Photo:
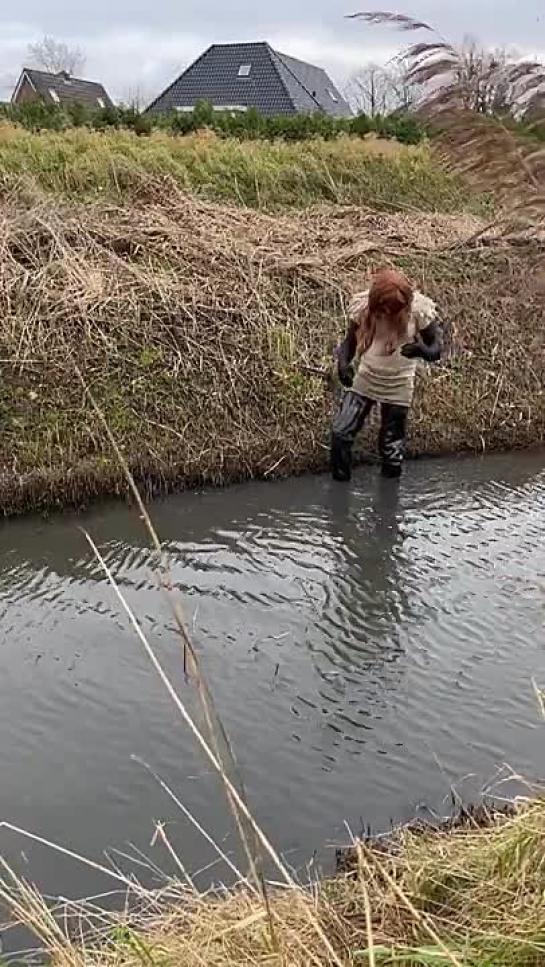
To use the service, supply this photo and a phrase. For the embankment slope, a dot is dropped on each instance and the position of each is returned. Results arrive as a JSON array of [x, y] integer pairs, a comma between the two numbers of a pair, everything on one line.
[[191, 322]]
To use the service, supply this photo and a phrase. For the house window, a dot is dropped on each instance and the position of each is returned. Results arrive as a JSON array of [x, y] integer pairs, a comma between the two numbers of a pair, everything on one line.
[[244, 70], [230, 108], [54, 96], [100, 102], [332, 95]]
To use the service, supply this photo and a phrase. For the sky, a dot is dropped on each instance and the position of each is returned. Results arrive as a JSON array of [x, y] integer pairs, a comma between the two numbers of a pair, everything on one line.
[[137, 47]]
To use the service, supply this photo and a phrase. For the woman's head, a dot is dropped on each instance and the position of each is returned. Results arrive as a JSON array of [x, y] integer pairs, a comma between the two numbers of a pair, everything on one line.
[[390, 299]]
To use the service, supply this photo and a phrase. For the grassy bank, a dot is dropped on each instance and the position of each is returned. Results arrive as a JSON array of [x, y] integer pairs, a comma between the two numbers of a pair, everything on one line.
[[469, 896], [192, 323], [351, 171]]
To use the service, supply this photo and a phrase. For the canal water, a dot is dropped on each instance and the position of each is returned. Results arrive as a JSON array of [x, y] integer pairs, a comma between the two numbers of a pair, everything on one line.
[[370, 649]]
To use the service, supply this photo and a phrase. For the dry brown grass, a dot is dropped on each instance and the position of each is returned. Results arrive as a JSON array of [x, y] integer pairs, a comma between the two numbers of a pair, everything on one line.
[[468, 896], [192, 323], [383, 148]]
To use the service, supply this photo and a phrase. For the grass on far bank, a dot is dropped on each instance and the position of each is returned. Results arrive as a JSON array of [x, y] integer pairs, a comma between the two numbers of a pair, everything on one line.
[[269, 176]]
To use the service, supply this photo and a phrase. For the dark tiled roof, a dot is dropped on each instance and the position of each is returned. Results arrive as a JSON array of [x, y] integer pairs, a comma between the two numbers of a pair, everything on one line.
[[276, 84], [309, 85], [69, 90]]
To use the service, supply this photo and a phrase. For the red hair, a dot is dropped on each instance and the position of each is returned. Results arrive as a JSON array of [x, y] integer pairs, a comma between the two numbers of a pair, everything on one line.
[[390, 298]]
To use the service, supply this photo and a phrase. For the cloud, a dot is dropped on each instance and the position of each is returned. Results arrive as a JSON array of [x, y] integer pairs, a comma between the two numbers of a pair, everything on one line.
[[13, 41], [138, 46], [340, 58], [130, 61]]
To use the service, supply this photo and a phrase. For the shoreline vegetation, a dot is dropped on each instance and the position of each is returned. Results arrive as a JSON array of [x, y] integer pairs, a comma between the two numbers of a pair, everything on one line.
[[467, 892], [248, 125], [273, 176], [193, 286]]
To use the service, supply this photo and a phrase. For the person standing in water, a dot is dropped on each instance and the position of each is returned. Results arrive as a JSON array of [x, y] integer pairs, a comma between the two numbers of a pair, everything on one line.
[[391, 326]]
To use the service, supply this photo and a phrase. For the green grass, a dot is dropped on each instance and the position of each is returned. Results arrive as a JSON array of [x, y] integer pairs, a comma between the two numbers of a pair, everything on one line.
[[349, 171]]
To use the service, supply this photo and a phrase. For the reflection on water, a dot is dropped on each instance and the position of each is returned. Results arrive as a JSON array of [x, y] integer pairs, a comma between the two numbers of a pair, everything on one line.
[[367, 647]]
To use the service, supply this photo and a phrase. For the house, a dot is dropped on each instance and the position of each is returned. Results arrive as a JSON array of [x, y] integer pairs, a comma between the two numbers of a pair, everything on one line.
[[60, 89], [237, 77]]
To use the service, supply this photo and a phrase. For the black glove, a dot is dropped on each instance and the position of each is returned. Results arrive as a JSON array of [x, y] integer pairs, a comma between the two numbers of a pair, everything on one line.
[[427, 345], [415, 350], [346, 374], [419, 350], [345, 369]]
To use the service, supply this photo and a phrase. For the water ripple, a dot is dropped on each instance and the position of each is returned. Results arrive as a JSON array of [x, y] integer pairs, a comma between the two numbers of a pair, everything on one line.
[[367, 647]]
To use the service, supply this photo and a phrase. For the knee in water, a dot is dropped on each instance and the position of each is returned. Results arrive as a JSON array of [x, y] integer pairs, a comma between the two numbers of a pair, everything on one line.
[[341, 458], [341, 474], [391, 470]]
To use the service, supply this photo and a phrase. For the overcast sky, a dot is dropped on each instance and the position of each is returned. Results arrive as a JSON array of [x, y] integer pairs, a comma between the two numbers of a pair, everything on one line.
[[141, 45]]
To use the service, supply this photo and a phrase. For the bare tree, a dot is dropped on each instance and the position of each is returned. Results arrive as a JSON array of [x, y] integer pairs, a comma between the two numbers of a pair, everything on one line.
[[54, 56], [472, 97], [368, 91], [379, 90], [467, 76], [404, 92], [486, 84]]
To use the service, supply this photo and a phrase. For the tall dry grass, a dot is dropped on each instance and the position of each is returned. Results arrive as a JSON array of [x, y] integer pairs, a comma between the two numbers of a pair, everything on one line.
[[468, 895], [198, 327], [484, 145]]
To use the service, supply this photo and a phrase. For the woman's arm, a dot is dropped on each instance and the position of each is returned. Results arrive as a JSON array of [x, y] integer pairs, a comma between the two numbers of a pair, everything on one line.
[[428, 344], [345, 354]]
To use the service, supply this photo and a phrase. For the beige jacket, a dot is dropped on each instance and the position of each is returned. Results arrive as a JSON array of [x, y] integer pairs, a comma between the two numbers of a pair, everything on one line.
[[390, 378]]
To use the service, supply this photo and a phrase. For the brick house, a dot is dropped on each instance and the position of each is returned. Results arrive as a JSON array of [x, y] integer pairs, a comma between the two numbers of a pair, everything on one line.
[[60, 89]]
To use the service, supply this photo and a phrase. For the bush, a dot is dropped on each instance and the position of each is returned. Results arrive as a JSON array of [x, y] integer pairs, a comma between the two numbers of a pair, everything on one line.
[[37, 116], [249, 125]]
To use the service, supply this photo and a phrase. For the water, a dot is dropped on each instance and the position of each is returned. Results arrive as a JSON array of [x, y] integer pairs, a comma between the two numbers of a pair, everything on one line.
[[369, 649]]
